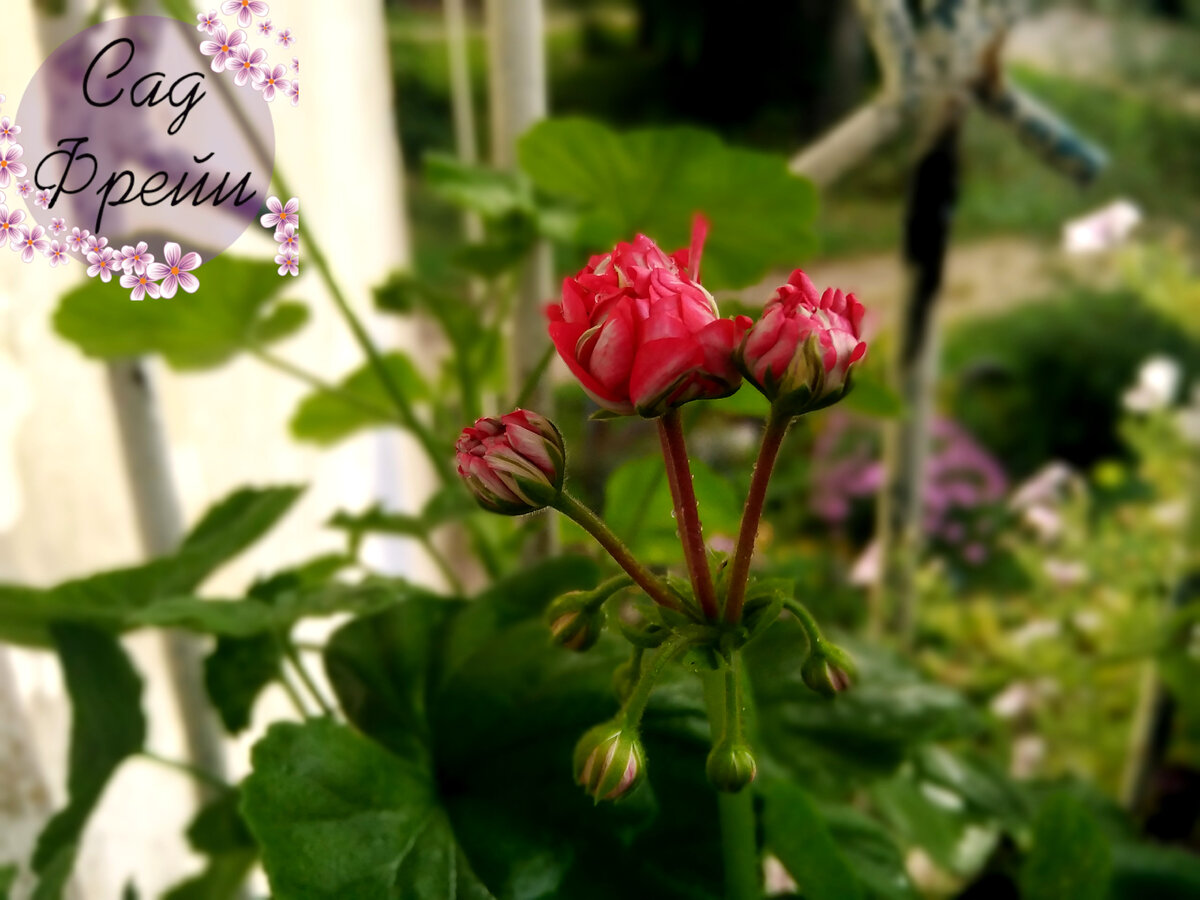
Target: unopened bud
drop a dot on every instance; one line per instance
(829, 670)
(731, 766)
(610, 761)
(575, 620)
(514, 464)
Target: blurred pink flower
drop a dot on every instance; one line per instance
(9, 131)
(288, 262)
(77, 240)
(268, 81)
(285, 38)
(10, 168)
(8, 225)
(287, 239)
(247, 63)
(102, 263)
(294, 92)
(208, 22)
(42, 199)
(57, 226)
(265, 27)
(24, 188)
(281, 215)
(134, 260)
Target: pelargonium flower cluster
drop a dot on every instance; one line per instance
(285, 219)
(230, 51)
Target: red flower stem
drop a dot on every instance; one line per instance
(739, 574)
(654, 587)
(687, 512)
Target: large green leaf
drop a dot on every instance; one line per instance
(1070, 857)
(868, 731)
(191, 331)
(219, 833)
(796, 831)
(107, 726)
(1148, 870)
(871, 851)
(107, 600)
(653, 180)
(360, 402)
(489, 192)
(339, 816)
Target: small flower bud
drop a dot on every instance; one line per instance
(576, 620)
(731, 766)
(514, 464)
(829, 670)
(610, 761)
(799, 353)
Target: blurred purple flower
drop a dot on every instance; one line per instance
(221, 46)
(289, 263)
(265, 27)
(9, 131)
(8, 225)
(281, 215)
(103, 263)
(42, 199)
(9, 167)
(208, 22)
(30, 242)
(285, 38)
(271, 80)
(77, 240)
(57, 254)
(25, 189)
(294, 91)
(246, 10)
(247, 63)
(176, 271)
(141, 285)
(287, 239)
(134, 260)
(96, 242)
(57, 226)
(296, 64)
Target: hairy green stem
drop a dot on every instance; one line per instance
(654, 587)
(687, 511)
(739, 574)
(739, 827)
(635, 706)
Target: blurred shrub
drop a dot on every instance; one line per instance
(1044, 381)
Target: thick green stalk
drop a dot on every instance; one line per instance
(739, 828)
(687, 511)
(739, 573)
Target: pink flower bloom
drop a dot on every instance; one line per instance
(9, 131)
(265, 27)
(77, 240)
(8, 225)
(288, 262)
(246, 11)
(57, 226)
(271, 80)
(287, 239)
(42, 199)
(285, 38)
(24, 188)
(294, 92)
(141, 284)
(57, 254)
(640, 333)
(208, 22)
(30, 242)
(247, 63)
(281, 215)
(801, 350)
(176, 271)
(296, 64)
(102, 262)
(221, 46)
(9, 167)
(135, 259)
(96, 242)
